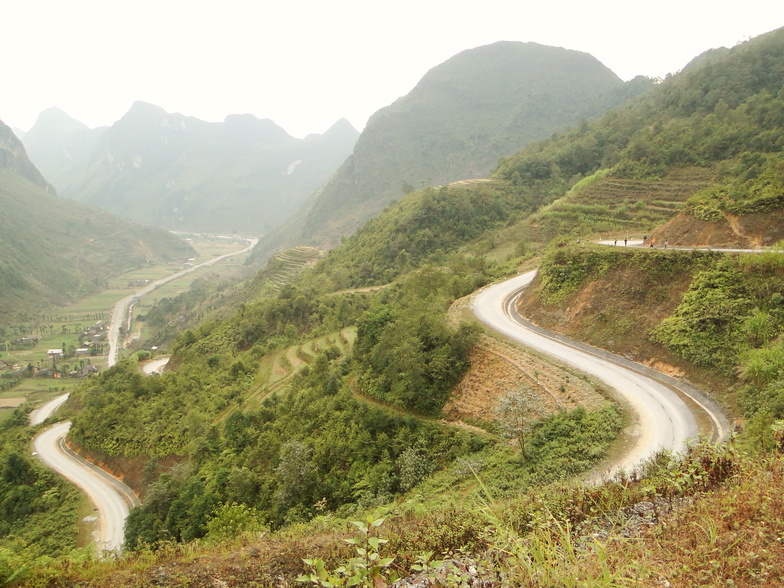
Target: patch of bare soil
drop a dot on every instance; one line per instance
(747, 231)
(129, 470)
(665, 368)
(498, 367)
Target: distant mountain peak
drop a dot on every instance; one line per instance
(53, 122)
(56, 116)
(342, 127)
(460, 119)
(141, 107)
(263, 129)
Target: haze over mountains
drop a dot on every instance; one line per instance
(462, 117)
(327, 392)
(244, 175)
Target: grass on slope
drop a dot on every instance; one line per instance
(714, 519)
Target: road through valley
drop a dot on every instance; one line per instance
(120, 314)
(664, 419)
(110, 497)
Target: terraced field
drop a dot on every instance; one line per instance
(276, 371)
(287, 265)
(632, 207)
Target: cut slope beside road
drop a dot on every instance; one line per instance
(112, 498)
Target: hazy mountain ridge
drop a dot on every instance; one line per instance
(458, 121)
(244, 175)
(60, 146)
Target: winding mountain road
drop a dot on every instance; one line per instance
(664, 407)
(112, 499)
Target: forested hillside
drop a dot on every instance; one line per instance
(456, 123)
(319, 401)
(722, 116)
(55, 250)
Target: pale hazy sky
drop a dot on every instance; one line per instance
(307, 63)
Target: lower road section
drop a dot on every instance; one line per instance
(112, 499)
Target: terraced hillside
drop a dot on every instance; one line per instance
(284, 267)
(287, 265)
(605, 203)
(276, 371)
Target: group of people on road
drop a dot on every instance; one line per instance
(644, 239)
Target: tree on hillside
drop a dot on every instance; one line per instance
(516, 413)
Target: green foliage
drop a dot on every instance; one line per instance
(707, 327)
(38, 509)
(288, 458)
(405, 353)
(368, 568)
(727, 110)
(45, 236)
(565, 269)
(233, 520)
(424, 228)
(516, 413)
(754, 184)
(139, 356)
(413, 467)
(463, 116)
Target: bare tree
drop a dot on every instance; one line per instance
(516, 412)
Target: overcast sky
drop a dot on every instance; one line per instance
(307, 63)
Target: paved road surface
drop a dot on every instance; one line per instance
(120, 310)
(155, 366)
(665, 421)
(104, 491)
(42, 413)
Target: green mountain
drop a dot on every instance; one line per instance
(461, 118)
(706, 142)
(244, 175)
(55, 250)
(13, 158)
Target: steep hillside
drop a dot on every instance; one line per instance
(719, 122)
(456, 123)
(13, 158)
(244, 175)
(55, 250)
(312, 404)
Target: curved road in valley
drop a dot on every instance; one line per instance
(111, 498)
(155, 366)
(121, 316)
(665, 407)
